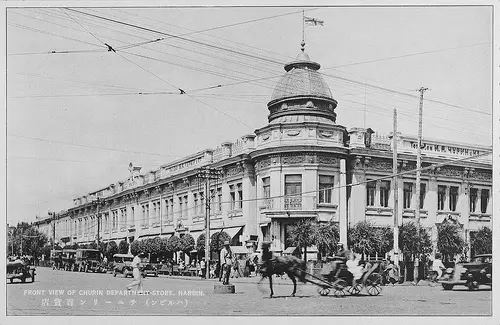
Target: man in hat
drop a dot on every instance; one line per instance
(226, 258)
(340, 259)
(136, 272)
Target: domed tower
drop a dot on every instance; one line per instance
(302, 94)
(302, 109)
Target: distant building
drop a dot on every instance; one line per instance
(294, 167)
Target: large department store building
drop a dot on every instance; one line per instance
(294, 167)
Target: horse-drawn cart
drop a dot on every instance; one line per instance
(370, 281)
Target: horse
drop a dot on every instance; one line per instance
(291, 265)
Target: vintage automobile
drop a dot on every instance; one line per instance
(56, 258)
(149, 269)
(69, 259)
(88, 260)
(122, 264)
(20, 270)
(472, 274)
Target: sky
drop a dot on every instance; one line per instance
(78, 116)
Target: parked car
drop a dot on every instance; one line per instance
(122, 263)
(20, 270)
(56, 258)
(149, 269)
(68, 259)
(471, 274)
(88, 260)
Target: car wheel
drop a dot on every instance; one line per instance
(447, 286)
(473, 285)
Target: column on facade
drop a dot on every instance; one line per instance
(250, 205)
(463, 204)
(342, 209)
(310, 187)
(432, 208)
(357, 206)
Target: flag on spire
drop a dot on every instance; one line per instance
(313, 21)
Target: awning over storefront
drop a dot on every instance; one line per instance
(232, 231)
(290, 250)
(239, 250)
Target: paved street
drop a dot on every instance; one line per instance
(78, 294)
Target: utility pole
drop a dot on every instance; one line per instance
(205, 175)
(394, 172)
(54, 230)
(419, 153)
(98, 218)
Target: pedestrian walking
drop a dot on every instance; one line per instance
(226, 257)
(136, 272)
(203, 266)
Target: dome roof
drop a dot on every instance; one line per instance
(301, 79)
(302, 92)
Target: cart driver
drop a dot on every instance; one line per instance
(341, 258)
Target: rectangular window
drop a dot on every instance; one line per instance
(407, 194)
(132, 215)
(441, 197)
(219, 199)
(325, 188)
(453, 198)
(123, 212)
(170, 209)
(212, 201)
(385, 188)
(422, 195)
(370, 194)
(266, 187)
(196, 204)
(232, 194)
(239, 204)
(472, 199)
(181, 210)
(145, 214)
(485, 196)
(293, 192)
(185, 213)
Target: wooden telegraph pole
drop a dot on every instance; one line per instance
(394, 172)
(419, 153)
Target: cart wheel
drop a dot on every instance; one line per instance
(323, 291)
(355, 290)
(339, 284)
(374, 290)
(339, 293)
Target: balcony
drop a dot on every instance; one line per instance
(300, 206)
(476, 216)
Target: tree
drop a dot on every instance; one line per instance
(122, 246)
(217, 240)
(200, 243)
(136, 247)
(174, 245)
(111, 249)
(450, 241)
(326, 237)
(481, 241)
(386, 242)
(187, 243)
(413, 240)
(302, 235)
(364, 238)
